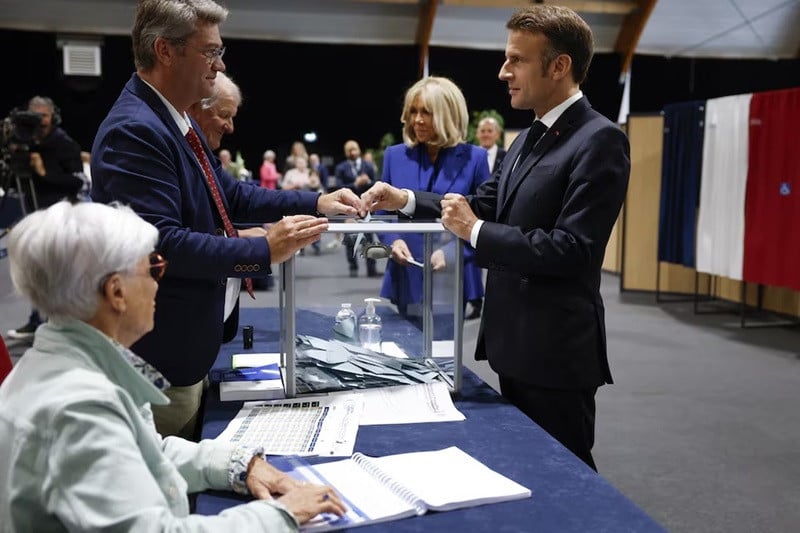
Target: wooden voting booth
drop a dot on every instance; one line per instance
(633, 248)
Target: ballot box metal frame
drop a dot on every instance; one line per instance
(288, 304)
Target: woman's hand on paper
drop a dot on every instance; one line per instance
(307, 501)
(400, 252)
(303, 500)
(264, 481)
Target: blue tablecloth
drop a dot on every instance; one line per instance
(567, 495)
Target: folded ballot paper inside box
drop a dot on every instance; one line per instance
(254, 376)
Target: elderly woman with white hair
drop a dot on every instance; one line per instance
(79, 449)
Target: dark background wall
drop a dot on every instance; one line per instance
(349, 91)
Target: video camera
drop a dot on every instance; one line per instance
(17, 133)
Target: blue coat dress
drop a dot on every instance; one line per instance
(460, 169)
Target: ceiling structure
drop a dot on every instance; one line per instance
(766, 29)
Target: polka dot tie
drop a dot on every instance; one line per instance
(230, 231)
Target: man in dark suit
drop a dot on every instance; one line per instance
(540, 227)
(488, 134)
(356, 174)
(150, 155)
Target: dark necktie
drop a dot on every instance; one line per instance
(534, 134)
(230, 231)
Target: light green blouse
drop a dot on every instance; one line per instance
(79, 451)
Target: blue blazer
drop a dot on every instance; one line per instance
(462, 169)
(546, 227)
(140, 158)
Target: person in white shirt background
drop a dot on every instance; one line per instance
(488, 134)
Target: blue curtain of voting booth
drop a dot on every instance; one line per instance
(681, 166)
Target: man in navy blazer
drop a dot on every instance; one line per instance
(141, 157)
(540, 227)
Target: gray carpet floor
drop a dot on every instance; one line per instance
(701, 428)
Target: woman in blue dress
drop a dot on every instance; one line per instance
(433, 157)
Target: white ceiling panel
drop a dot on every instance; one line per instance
(723, 28)
(322, 27)
(470, 27)
(713, 28)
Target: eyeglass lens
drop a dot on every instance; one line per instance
(158, 265)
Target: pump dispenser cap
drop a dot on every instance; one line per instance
(371, 304)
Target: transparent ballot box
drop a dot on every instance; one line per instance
(323, 350)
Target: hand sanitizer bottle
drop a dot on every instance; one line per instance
(369, 326)
(345, 322)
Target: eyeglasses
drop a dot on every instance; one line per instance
(158, 266)
(211, 55)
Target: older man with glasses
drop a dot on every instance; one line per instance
(150, 155)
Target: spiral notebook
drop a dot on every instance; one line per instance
(379, 489)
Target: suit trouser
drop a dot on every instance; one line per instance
(567, 415)
(180, 417)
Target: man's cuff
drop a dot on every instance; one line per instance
(473, 235)
(411, 205)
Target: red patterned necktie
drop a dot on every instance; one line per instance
(230, 231)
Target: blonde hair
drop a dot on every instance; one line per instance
(444, 100)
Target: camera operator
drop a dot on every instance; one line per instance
(55, 163)
(55, 157)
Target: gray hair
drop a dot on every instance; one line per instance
(59, 256)
(42, 101)
(174, 20)
(223, 85)
(492, 121)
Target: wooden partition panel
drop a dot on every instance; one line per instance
(612, 261)
(640, 211)
(778, 299)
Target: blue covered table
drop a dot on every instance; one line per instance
(566, 494)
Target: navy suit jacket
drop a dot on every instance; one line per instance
(462, 169)
(346, 175)
(543, 241)
(141, 159)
